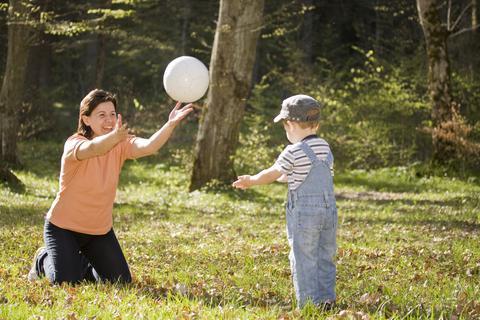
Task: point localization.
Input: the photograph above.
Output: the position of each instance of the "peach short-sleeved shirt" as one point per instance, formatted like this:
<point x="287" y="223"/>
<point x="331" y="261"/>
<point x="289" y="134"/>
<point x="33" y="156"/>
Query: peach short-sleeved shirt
<point x="87" y="187"/>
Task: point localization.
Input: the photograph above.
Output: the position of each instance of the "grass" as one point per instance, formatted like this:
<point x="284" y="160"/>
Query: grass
<point x="408" y="247"/>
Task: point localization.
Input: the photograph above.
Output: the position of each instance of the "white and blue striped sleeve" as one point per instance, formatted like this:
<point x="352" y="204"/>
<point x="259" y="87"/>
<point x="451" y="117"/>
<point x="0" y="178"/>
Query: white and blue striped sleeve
<point x="285" y="161"/>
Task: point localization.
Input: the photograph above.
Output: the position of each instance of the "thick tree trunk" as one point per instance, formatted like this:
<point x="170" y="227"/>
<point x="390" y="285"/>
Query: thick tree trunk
<point x="443" y="107"/>
<point x="231" y="66"/>
<point x="13" y="87"/>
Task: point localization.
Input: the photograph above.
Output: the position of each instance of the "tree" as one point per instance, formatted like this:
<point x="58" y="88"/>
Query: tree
<point x="231" y="64"/>
<point x="7" y="177"/>
<point x="13" y="86"/>
<point x="445" y="113"/>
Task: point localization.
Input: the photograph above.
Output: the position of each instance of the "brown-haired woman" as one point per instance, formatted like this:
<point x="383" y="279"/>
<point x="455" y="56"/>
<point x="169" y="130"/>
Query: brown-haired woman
<point x="80" y="243"/>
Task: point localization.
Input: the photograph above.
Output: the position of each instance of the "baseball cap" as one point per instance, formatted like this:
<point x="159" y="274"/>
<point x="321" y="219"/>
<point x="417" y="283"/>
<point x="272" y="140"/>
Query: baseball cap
<point x="299" y="108"/>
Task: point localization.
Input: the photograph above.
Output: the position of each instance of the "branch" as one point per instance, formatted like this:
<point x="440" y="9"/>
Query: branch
<point x="449" y="16"/>
<point x="460" y="17"/>
<point x="464" y="30"/>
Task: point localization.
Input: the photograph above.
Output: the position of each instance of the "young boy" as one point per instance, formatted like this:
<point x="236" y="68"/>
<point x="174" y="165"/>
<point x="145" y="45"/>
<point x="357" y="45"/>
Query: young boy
<point x="307" y="166"/>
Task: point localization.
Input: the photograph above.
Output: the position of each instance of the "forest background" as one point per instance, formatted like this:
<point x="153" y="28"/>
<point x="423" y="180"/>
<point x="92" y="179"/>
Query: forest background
<point x="401" y="96"/>
<point x="365" y="60"/>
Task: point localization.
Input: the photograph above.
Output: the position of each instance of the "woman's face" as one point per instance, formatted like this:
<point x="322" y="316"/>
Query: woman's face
<point x="102" y="119"/>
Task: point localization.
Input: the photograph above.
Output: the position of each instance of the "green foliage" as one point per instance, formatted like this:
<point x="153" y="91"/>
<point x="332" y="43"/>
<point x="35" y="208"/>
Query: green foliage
<point x="364" y="60"/>
<point x="374" y="119"/>
<point x="408" y="247"/>
<point x="380" y="115"/>
<point x="256" y="151"/>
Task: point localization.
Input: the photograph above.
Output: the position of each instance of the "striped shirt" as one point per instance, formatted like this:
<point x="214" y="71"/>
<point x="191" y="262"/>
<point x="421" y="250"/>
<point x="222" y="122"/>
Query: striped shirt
<point x="295" y="164"/>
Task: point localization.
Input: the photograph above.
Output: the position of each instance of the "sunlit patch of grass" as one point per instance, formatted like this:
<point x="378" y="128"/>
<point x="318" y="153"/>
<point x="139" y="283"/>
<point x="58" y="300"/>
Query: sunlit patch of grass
<point x="407" y="248"/>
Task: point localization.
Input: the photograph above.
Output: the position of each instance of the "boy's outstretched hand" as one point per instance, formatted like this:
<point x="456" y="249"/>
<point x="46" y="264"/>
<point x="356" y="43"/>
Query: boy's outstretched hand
<point x="263" y="177"/>
<point x="243" y="182"/>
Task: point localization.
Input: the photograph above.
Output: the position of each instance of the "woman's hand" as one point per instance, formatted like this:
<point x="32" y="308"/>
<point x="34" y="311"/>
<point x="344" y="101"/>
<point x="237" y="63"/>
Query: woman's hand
<point x="100" y="145"/>
<point x="120" y="131"/>
<point x="177" y="114"/>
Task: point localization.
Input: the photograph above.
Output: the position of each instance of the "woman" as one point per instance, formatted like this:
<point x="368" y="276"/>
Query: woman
<point x="80" y="243"/>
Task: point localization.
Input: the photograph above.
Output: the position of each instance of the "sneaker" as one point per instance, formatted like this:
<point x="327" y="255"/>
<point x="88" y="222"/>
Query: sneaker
<point x="32" y="274"/>
<point x="327" y="305"/>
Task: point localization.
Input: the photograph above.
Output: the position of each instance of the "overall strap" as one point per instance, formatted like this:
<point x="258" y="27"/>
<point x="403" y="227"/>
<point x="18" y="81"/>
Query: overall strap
<point x="309" y="152"/>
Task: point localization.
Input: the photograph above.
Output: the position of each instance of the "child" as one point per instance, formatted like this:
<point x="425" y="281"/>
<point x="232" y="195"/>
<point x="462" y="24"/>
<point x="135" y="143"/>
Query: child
<point x="307" y="166"/>
<point x="80" y="243"/>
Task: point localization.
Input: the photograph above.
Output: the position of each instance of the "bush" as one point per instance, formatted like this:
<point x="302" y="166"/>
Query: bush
<point x="371" y="120"/>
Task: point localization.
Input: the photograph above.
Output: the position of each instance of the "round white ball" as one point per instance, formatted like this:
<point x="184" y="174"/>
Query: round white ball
<point x="186" y="79"/>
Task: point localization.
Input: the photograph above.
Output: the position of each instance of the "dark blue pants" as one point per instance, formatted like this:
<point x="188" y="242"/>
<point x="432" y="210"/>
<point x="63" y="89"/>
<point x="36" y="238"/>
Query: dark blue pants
<point x="73" y="257"/>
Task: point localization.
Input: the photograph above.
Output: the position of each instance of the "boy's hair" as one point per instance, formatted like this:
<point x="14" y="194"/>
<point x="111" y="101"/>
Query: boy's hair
<point x="306" y="124"/>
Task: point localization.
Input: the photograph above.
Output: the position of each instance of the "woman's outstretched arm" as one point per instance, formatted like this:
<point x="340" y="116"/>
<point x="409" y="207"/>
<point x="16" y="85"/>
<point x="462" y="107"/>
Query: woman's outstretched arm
<point x="144" y="147"/>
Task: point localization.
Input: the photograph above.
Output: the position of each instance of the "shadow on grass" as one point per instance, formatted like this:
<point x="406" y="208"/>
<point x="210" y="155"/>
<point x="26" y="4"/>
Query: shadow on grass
<point x="195" y="292"/>
<point x="378" y="185"/>
<point x="251" y="194"/>
<point x="21" y="215"/>
<point x="443" y="225"/>
<point x="383" y="200"/>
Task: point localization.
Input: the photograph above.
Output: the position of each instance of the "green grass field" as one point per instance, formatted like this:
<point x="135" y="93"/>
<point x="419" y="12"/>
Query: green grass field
<point x="408" y="247"/>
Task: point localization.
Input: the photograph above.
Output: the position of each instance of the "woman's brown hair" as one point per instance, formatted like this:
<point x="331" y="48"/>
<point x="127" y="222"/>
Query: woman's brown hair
<point x="88" y="104"/>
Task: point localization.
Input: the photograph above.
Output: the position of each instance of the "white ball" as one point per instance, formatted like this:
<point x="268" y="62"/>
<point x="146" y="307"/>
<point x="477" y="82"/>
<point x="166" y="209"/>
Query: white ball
<point x="186" y="79"/>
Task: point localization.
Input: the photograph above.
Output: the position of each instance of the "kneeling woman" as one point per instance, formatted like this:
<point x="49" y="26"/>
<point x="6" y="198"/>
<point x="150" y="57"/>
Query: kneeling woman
<point x="80" y="243"/>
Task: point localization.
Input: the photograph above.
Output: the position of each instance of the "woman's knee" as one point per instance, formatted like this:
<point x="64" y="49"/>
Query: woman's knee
<point x="114" y="276"/>
<point x="123" y="278"/>
<point x="64" y="277"/>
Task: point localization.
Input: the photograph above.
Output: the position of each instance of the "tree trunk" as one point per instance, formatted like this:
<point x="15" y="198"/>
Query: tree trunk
<point x="95" y="56"/>
<point x="307" y="33"/>
<point x="100" y="63"/>
<point x="443" y="107"/>
<point x="187" y="15"/>
<point x="377" y="46"/>
<point x="8" y="178"/>
<point x="231" y="64"/>
<point x="13" y="87"/>
<point x="474" y="15"/>
<point x="474" y="40"/>
<point x="36" y="112"/>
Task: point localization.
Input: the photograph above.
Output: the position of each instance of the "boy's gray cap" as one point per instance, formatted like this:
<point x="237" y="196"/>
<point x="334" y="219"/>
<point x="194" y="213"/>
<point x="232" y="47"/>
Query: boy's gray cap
<point x="299" y="108"/>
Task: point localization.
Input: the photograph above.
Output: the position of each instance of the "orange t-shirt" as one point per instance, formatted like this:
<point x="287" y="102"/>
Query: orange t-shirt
<point x="87" y="189"/>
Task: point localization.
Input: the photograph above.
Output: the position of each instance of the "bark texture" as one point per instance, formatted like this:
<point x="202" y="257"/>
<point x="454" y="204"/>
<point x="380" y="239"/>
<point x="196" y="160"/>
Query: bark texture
<point x="231" y="65"/>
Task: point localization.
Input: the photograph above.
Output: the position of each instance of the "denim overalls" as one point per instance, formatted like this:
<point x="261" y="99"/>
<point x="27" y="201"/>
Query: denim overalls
<point x="311" y="231"/>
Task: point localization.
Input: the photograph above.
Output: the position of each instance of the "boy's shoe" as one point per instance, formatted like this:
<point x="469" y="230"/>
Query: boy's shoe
<point x="32" y="274"/>
<point x="327" y="305"/>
